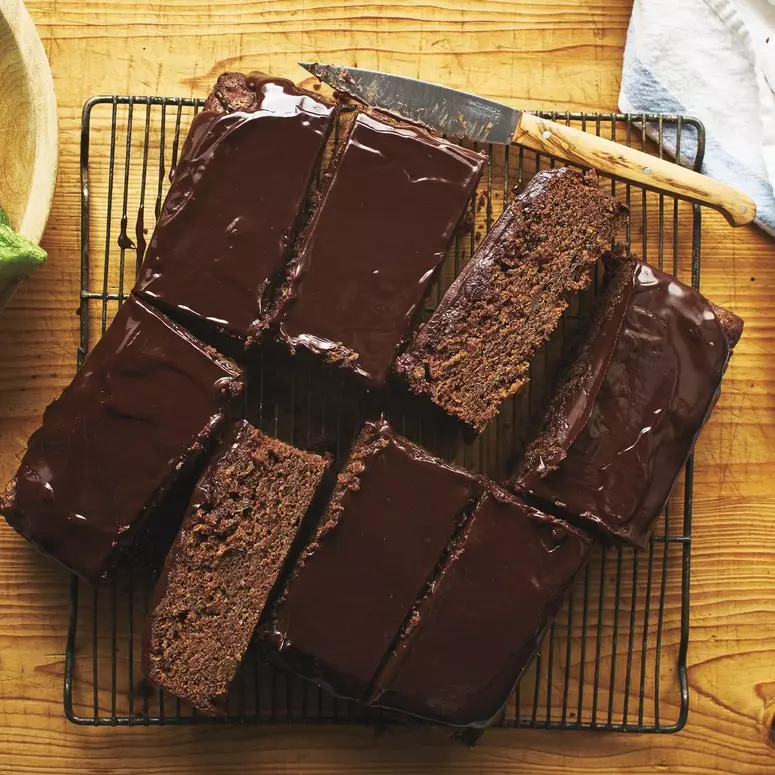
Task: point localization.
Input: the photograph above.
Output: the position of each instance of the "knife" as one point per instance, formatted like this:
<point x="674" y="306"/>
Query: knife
<point x="462" y="115"/>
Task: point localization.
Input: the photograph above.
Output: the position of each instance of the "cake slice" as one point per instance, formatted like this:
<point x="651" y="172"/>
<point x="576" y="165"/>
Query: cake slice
<point x="394" y="510"/>
<point x="235" y="203"/>
<point x="135" y="420"/>
<point x="475" y="350"/>
<point x="375" y="243"/>
<point x="626" y="417"/>
<point x="472" y="636"/>
<point x="236" y="534"/>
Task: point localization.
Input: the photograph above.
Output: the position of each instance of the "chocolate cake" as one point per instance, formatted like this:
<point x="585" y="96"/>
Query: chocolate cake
<point x="475" y="350"/>
<point x="393" y="511"/>
<point x="374" y="245"/>
<point x="244" y="515"/>
<point x="235" y="203"/>
<point x="625" y="419"/>
<point x="138" y="416"/>
<point x="472" y="636"/>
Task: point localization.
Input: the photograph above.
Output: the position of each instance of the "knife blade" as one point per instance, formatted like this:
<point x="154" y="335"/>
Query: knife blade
<point x="468" y="116"/>
<point x="450" y="111"/>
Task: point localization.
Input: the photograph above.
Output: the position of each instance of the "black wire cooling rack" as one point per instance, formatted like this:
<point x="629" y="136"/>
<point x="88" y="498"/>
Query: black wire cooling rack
<point x="615" y="658"/>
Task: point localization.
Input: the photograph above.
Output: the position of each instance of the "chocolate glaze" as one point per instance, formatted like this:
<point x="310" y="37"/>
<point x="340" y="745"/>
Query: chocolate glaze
<point x="140" y="235"/>
<point x="662" y="381"/>
<point x="570" y="410"/>
<point x="480" y="625"/>
<point x="233" y="207"/>
<point x="381" y="538"/>
<point x="145" y="402"/>
<point x="376" y="241"/>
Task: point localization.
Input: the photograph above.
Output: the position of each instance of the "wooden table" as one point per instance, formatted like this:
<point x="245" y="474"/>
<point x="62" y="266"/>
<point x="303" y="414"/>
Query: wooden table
<point x="563" y="54"/>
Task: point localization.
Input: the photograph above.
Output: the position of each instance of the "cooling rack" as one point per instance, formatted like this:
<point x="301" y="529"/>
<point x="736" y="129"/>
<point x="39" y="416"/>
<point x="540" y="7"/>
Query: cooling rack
<point x="614" y="659"/>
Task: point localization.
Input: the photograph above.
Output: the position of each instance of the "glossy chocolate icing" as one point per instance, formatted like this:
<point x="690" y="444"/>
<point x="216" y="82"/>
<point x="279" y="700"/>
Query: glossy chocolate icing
<point x="662" y="381"/>
<point x="376" y="241"/>
<point x="570" y="409"/>
<point x="476" y="631"/>
<point x="145" y="402"/>
<point x="233" y="207"/>
<point x="381" y="539"/>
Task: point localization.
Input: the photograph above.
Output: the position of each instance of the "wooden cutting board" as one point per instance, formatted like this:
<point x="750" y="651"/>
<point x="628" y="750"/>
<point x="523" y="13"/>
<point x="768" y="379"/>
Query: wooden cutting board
<point x="563" y="54"/>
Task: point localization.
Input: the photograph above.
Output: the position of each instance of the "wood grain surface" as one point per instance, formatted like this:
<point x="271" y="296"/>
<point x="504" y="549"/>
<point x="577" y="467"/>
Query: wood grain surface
<point x="563" y="54"/>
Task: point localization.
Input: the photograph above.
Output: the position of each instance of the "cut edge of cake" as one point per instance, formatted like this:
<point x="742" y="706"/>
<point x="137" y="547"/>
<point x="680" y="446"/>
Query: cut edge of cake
<point x="375" y="436"/>
<point x="340" y="355"/>
<point x="475" y="350"/>
<point x="287" y="281"/>
<point x="236" y="92"/>
<point x="391" y="663"/>
<point x="584" y="374"/>
<point x="231" y="550"/>
<point x="554" y="435"/>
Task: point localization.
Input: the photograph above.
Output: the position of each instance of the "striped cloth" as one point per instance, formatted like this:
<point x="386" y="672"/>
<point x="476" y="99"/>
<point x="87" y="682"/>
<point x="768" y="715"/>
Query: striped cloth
<point x="713" y="59"/>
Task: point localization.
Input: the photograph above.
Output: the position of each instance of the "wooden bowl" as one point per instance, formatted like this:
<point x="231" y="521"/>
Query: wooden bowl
<point x="28" y="123"/>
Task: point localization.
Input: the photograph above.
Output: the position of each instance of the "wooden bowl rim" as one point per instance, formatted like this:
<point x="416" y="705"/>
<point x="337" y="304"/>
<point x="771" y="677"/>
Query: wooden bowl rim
<point x="43" y="107"/>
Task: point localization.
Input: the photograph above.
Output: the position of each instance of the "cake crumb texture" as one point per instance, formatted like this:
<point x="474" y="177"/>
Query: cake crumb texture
<point x="475" y="351"/>
<point x="238" y="530"/>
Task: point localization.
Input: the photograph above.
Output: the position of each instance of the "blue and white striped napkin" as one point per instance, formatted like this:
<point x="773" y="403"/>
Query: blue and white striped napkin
<point x="713" y="59"/>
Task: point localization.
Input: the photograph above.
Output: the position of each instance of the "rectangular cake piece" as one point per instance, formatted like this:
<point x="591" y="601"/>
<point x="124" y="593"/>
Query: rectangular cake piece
<point x="470" y="639"/>
<point x="235" y="202"/>
<point x="236" y="534"/>
<point x="375" y="243"/>
<point x="475" y="350"/>
<point x="392" y="513"/>
<point x="625" y="418"/>
<point x="136" y="417"/>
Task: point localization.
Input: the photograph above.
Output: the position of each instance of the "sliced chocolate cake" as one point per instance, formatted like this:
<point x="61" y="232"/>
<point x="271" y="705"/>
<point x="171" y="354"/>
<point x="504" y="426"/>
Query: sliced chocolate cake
<point x="236" y="201"/>
<point x="394" y="510"/>
<point x="470" y="639"/>
<point x="626" y="417"/>
<point x="374" y="245"/>
<point x="242" y="520"/>
<point x="475" y="350"/>
<point x="136" y="418"/>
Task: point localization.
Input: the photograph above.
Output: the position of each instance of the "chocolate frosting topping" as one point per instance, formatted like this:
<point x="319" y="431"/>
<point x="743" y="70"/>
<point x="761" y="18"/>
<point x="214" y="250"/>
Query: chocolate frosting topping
<point x="375" y="243"/>
<point x="474" y="634"/>
<point x="234" y="204"/>
<point x="381" y="539"/>
<point x="660" y="386"/>
<point x="146" y="399"/>
<point x="572" y="403"/>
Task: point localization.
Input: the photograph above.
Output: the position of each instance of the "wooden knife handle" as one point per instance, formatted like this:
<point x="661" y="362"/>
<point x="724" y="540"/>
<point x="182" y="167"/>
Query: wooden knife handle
<point x="634" y="166"/>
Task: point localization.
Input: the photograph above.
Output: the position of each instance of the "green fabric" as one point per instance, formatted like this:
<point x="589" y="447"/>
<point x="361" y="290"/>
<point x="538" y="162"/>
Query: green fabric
<point x="18" y="256"/>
